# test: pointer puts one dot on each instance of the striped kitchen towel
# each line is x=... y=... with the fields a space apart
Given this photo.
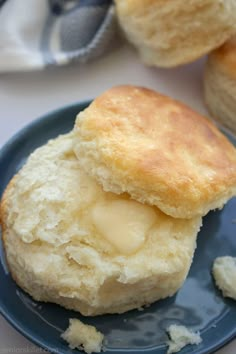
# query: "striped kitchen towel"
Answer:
x=39 y=33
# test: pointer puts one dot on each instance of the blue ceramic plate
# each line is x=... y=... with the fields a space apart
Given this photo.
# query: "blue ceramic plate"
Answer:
x=198 y=305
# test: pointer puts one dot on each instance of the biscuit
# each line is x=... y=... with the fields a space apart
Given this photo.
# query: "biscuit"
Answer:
x=170 y=33
x=134 y=140
x=220 y=84
x=69 y=242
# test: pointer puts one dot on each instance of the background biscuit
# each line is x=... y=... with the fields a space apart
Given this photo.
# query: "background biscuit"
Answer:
x=172 y=32
x=220 y=84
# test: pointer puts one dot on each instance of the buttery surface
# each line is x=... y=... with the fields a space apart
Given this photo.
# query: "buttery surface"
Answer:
x=134 y=140
x=61 y=246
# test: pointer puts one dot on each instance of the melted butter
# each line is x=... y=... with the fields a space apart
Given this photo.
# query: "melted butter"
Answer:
x=123 y=223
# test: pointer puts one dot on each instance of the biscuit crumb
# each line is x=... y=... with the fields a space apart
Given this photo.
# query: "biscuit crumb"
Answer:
x=224 y=273
x=84 y=337
x=180 y=336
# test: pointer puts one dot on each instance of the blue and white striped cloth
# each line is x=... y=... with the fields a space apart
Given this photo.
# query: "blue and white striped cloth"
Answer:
x=39 y=33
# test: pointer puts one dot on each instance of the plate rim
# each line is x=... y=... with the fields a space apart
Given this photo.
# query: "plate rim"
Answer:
x=9 y=315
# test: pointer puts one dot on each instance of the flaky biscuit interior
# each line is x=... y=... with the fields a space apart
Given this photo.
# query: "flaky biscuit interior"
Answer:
x=69 y=242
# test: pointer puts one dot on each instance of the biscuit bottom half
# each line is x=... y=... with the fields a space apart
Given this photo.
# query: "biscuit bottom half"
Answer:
x=69 y=242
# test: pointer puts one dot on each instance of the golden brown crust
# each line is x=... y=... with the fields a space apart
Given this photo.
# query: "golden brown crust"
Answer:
x=225 y=58
x=157 y=149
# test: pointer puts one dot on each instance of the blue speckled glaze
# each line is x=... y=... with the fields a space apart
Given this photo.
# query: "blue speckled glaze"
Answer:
x=198 y=305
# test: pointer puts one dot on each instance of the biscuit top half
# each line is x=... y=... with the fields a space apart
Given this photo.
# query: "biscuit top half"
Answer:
x=135 y=140
x=225 y=58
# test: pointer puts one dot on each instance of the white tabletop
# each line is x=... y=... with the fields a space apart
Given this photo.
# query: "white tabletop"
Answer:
x=26 y=96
